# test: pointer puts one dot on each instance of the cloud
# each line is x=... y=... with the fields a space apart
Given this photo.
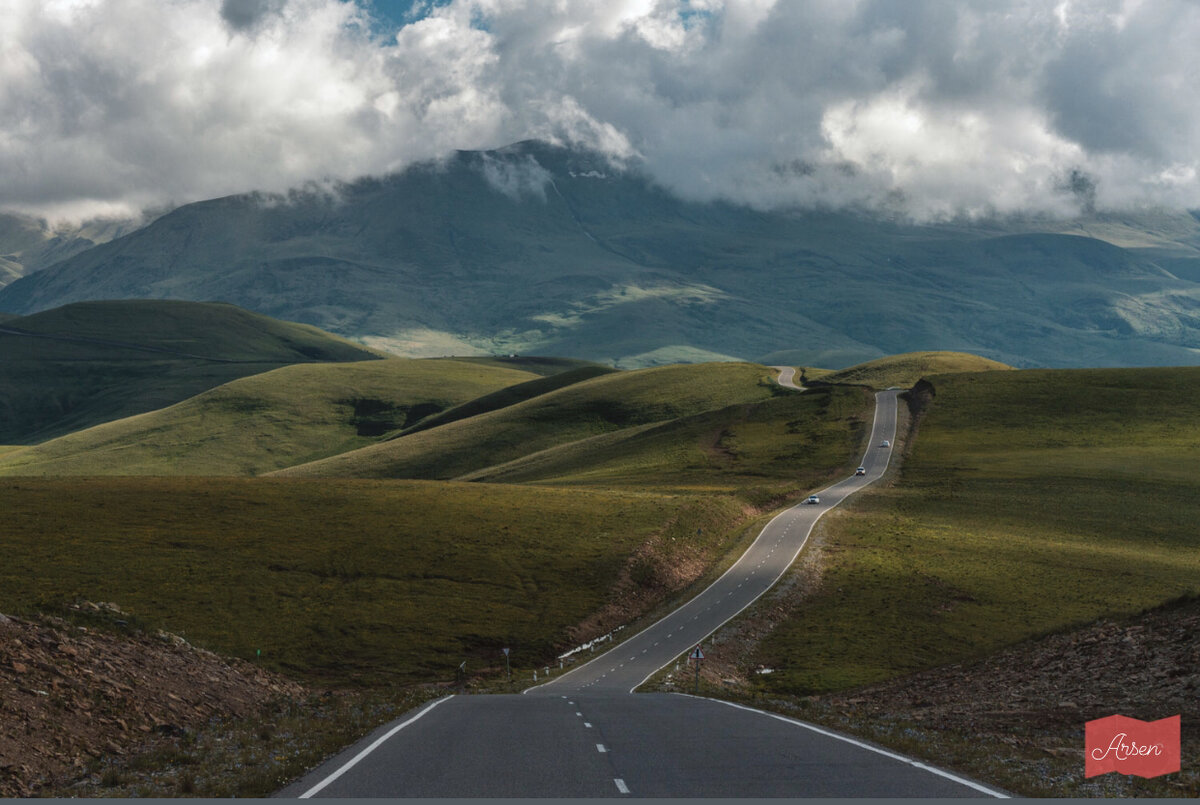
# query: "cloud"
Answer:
x=926 y=107
x=246 y=15
x=516 y=178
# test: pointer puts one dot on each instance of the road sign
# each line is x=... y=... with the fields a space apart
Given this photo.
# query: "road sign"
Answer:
x=697 y=654
x=505 y=651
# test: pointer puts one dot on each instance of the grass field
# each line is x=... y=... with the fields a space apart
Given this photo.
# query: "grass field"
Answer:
x=1032 y=501
x=592 y=407
x=760 y=450
x=372 y=581
x=903 y=371
x=95 y=362
x=269 y=421
x=334 y=581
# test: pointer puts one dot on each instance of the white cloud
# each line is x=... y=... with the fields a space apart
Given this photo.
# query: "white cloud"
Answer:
x=940 y=107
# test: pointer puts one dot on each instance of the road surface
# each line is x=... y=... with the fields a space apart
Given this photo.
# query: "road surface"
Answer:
x=585 y=734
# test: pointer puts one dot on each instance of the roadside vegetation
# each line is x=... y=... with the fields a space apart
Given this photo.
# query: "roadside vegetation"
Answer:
x=1030 y=502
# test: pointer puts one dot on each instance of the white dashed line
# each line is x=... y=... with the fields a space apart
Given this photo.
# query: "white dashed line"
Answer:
x=600 y=748
x=621 y=785
x=589 y=726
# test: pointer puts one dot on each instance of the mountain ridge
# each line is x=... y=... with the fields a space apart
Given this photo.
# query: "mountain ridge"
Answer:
x=535 y=248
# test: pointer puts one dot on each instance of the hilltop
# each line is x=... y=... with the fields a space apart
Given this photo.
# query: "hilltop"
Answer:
x=91 y=362
x=903 y=371
x=268 y=421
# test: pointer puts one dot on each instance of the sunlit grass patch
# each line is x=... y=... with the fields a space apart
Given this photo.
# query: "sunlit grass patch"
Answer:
x=1031 y=502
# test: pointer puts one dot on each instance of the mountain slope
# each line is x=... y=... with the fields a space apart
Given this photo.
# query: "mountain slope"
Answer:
x=539 y=249
x=87 y=363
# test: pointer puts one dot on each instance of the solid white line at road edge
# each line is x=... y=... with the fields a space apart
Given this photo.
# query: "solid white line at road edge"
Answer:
x=374 y=745
x=862 y=745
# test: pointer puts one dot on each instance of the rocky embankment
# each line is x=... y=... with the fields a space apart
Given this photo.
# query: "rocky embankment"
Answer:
x=70 y=696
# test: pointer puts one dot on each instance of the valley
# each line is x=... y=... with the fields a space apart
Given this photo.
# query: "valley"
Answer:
x=460 y=506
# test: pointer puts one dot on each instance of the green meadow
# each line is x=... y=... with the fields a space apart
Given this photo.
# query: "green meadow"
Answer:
x=903 y=371
x=92 y=362
x=604 y=404
x=1031 y=502
x=341 y=582
x=268 y=421
x=393 y=580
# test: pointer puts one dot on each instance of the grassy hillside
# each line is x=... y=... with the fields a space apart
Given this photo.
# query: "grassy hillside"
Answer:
x=1032 y=501
x=87 y=363
x=334 y=581
x=538 y=365
x=760 y=449
x=902 y=371
x=268 y=421
x=211 y=330
x=592 y=407
x=511 y=395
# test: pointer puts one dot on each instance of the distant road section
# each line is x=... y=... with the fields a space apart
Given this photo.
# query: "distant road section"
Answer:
x=787 y=377
x=584 y=734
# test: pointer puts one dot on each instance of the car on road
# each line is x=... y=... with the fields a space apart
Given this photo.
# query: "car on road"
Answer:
x=861 y=471
x=886 y=443
x=813 y=499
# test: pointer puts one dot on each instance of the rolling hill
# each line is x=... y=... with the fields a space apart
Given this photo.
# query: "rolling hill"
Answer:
x=73 y=367
x=535 y=248
x=266 y=422
x=903 y=371
x=600 y=405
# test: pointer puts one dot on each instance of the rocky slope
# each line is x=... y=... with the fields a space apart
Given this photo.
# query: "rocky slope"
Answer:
x=70 y=695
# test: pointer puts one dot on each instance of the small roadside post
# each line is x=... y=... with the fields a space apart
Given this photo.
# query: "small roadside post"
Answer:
x=697 y=655
x=507 y=667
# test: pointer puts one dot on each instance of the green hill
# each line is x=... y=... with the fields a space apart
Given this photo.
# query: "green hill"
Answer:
x=902 y=371
x=91 y=362
x=760 y=449
x=266 y=422
x=511 y=395
x=589 y=408
x=1031 y=501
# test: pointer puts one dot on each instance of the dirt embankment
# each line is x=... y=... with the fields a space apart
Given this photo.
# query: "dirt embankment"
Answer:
x=1027 y=706
x=70 y=696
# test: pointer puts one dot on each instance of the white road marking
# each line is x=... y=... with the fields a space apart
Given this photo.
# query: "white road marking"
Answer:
x=589 y=726
x=578 y=713
x=600 y=748
x=621 y=785
x=374 y=745
x=828 y=734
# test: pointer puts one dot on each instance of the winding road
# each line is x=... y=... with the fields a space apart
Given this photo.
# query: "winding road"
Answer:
x=584 y=733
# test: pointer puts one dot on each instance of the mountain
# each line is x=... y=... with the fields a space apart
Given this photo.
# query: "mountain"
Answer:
x=91 y=362
x=28 y=244
x=535 y=248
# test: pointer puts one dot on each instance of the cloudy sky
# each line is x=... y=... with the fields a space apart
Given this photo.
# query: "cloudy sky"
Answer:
x=937 y=107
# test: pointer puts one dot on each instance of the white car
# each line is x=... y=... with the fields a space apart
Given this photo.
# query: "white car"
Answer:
x=886 y=443
x=861 y=471
x=813 y=499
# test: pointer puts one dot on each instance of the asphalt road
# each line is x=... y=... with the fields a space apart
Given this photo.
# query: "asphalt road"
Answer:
x=583 y=734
